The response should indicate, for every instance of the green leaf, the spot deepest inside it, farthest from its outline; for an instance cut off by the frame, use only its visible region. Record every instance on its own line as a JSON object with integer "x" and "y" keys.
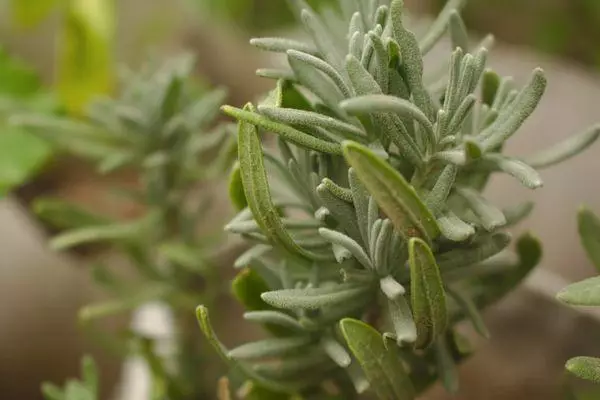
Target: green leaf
{"x": 458, "y": 32}
{"x": 454, "y": 228}
{"x": 282, "y": 45}
{"x": 436, "y": 198}
{"x": 236, "y": 188}
{"x": 412, "y": 60}
{"x": 85, "y": 60}
{"x": 274, "y": 318}
{"x": 339, "y": 239}
{"x": 315, "y": 298}
{"x": 64, "y": 215}
{"x": 470, "y": 310}
{"x": 587, "y": 368}
{"x": 479, "y": 250}
{"x": 439, "y": 26}
{"x": 427, "y": 294}
{"x": 391, "y": 191}
{"x": 258, "y": 194}
{"x": 564, "y": 150}
{"x": 495, "y": 286}
{"x": 276, "y": 347}
{"x": 387, "y": 104}
{"x": 512, "y": 117}
{"x": 490, "y": 217}
{"x": 489, "y": 86}
{"x": 184, "y": 255}
{"x": 589, "y": 231}
{"x": 402, "y": 320}
{"x": 584, "y": 293}
{"x": 247, "y": 287}
{"x": 22, "y": 155}
{"x": 17, "y": 79}
{"x": 286, "y": 132}
{"x": 382, "y": 365}
{"x": 446, "y": 366}
{"x": 516, "y": 168}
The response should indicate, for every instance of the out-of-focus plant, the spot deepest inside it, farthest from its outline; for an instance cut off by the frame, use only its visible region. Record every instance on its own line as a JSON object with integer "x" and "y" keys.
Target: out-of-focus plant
{"x": 587, "y": 292}
{"x": 163, "y": 130}
{"x": 85, "y": 65}
{"x": 22, "y": 154}
{"x": 371, "y": 236}
{"x": 85, "y": 389}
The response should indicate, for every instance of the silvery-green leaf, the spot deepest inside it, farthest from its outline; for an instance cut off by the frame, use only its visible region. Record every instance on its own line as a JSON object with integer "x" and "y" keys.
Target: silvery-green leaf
{"x": 454, "y": 228}
{"x": 314, "y": 80}
{"x": 436, "y": 198}
{"x": 288, "y": 133}
{"x": 584, "y": 293}
{"x": 427, "y": 294}
{"x": 587, "y": 368}
{"x": 360, "y": 199}
{"x": 391, "y": 288}
{"x": 295, "y": 365}
{"x": 281, "y": 45}
{"x": 456, "y": 157}
{"x": 391, "y": 191}
{"x": 324, "y": 67}
{"x": 382, "y": 60}
{"x": 303, "y": 118}
{"x": 338, "y": 191}
{"x": 349, "y": 244}
{"x": 564, "y": 150}
{"x": 374, "y": 233}
{"x": 437, "y": 29}
{"x": 412, "y": 60}
{"x": 381, "y": 15}
{"x": 355, "y": 46}
{"x": 118, "y": 232}
{"x": 516, "y": 168}
{"x": 362, "y": 81}
{"x": 470, "y": 310}
{"x": 276, "y": 74}
{"x": 382, "y": 242}
{"x": 511, "y": 118}
{"x": 275, "y": 347}
{"x": 256, "y": 187}
{"x": 481, "y": 249}
{"x": 382, "y": 366}
{"x": 402, "y": 320}
{"x": 458, "y": 32}
{"x": 489, "y": 216}
{"x": 322, "y": 38}
{"x": 516, "y": 214}
{"x": 387, "y": 104}
{"x": 336, "y": 351}
{"x": 589, "y": 231}
{"x": 251, "y": 254}
{"x": 251, "y": 226}
{"x": 461, "y": 113}
{"x": 206, "y": 327}
{"x": 274, "y": 318}
{"x": 341, "y": 210}
{"x": 314, "y": 298}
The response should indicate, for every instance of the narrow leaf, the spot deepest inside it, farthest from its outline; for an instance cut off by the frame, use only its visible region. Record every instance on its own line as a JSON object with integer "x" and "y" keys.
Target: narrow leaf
{"x": 490, "y": 217}
{"x": 382, "y": 366}
{"x": 391, "y": 191}
{"x": 286, "y": 132}
{"x": 516, "y": 168}
{"x": 587, "y": 368}
{"x": 274, "y": 318}
{"x": 427, "y": 294}
{"x": 314, "y": 298}
{"x": 589, "y": 231}
{"x": 481, "y": 249}
{"x": 454, "y": 228}
{"x": 564, "y": 150}
{"x": 402, "y": 320}
{"x": 584, "y": 293}
{"x": 276, "y": 347}
{"x": 347, "y": 243}
{"x": 236, "y": 188}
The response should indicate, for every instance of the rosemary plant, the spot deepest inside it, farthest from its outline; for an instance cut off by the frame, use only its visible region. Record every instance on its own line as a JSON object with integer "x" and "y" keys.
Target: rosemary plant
{"x": 371, "y": 238}
{"x": 587, "y": 292}
{"x": 161, "y": 128}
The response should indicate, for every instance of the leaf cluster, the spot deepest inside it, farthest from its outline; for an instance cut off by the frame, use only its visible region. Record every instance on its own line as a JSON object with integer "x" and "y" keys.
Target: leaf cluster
{"x": 371, "y": 236}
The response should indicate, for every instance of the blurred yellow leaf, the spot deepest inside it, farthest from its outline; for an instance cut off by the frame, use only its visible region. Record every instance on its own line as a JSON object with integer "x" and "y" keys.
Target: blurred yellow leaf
{"x": 85, "y": 54}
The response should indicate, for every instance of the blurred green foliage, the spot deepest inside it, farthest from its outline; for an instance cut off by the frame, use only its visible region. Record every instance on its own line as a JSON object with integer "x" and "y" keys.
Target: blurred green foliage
{"x": 565, "y": 28}
{"x": 22, "y": 155}
{"x": 255, "y": 15}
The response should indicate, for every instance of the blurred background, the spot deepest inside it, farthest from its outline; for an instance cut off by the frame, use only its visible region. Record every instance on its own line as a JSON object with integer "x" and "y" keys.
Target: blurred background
{"x": 57, "y": 55}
